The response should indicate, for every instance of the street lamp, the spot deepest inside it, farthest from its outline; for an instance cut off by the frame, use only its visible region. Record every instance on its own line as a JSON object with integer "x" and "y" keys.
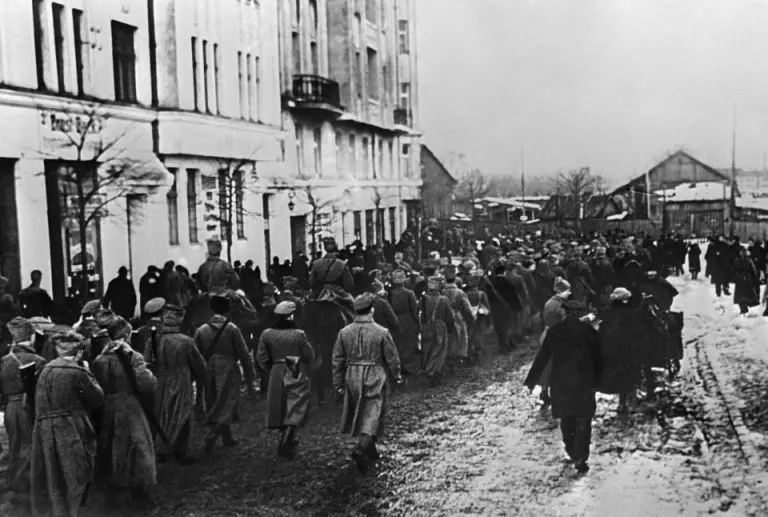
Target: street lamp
{"x": 291, "y": 196}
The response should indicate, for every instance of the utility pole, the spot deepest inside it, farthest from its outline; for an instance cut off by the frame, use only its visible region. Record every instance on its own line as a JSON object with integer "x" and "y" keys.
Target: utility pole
{"x": 522, "y": 176}
{"x": 732, "y": 204}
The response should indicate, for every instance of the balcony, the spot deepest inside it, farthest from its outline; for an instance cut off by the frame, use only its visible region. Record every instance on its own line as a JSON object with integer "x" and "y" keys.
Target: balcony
{"x": 315, "y": 93}
{"x": 402, "y": 117}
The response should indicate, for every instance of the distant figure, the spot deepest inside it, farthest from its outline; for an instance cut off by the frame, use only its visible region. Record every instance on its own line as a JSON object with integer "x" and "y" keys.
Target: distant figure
{"x": 121, "y": 295}
{"x": 34, "y": 300}
{"x": 216, "y": 275}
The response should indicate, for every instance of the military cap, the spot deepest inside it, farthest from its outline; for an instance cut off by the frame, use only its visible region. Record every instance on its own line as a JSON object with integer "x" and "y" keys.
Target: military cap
{"x": 398, "y": 277}
{"x": 561, "y": 285}
{"x": 104, "y": 317}
{"x": 68, "y": 343}
{"x": 90, "y": 307}
{"x": 285, "y": 308}
{"x": 374, "y": 273}
{"x": 290, "y": 283}
{"x": 20, "y": 329}
{"x": 377, "y": 286}
{"x": 621, "y": 294}
{"x": 433, "y": 282}
{"x": 468, "y": 265}
{"x": 154, "y": 305}
{"x": 363, "y": 302}
{"x": 41, "y": 324}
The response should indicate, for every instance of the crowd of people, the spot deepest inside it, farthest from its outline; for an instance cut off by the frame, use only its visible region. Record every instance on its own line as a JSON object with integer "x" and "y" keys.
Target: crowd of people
{"x": 100, "y": 403}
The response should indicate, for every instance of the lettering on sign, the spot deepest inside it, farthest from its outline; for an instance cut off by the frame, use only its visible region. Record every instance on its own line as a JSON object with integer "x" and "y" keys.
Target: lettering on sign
{"x": 66, "y": 123}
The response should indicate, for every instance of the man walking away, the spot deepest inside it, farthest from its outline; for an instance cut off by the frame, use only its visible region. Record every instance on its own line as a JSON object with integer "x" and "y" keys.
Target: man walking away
{"x": 286, "y": 354}
{"x": 121, "y": 295}
{"x": 34, "y": 300}
{"x": 364, "y": 356}
{"x": 573, "y": 346}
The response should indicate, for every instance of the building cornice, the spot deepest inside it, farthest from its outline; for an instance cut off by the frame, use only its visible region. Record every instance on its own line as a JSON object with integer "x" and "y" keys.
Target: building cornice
{"x": 176, "y": 115}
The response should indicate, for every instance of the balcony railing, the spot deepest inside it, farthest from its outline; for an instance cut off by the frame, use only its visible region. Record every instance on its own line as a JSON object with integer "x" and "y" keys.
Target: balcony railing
{"x": 402, "y": 117}
{"x": 316, "y": 89}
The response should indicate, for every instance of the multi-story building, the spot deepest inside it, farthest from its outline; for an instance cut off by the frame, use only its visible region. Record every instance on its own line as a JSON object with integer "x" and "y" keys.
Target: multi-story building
{"x": 154, "y": 109}
{"x": 348, "y": 76}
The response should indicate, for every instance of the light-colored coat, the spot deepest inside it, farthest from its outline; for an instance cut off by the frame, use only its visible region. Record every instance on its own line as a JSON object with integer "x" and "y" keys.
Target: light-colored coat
{"x": 364, "y": 356}
{"x": 63, "y": 439}
{"x": 458, "y": 342}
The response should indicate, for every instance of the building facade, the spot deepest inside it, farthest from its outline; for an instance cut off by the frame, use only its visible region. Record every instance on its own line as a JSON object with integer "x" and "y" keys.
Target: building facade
{"x": 438, "y": 186}
{"x": 350, "y": 106}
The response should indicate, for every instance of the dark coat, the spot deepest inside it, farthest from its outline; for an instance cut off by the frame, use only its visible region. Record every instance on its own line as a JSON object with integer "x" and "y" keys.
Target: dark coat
{"x": 121, "y": 297}
{"x": 619, "y": 331}
{"x": 574, "y": 349}
{"x": 747, "y": 282}
{"x": 694, "y": 258}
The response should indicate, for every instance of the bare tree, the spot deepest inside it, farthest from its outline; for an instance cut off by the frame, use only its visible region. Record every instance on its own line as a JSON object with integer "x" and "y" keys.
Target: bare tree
{"x": 93, "y": 172}
{"x": 580, "y": 185}
{"x": 472, "y": 187}
{"x": 232, "y": 184}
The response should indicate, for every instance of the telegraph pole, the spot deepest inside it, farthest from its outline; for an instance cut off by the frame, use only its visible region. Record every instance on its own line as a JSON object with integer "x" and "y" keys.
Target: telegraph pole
{"x": 732, "y": 204}
{"x": 522, "y": 176}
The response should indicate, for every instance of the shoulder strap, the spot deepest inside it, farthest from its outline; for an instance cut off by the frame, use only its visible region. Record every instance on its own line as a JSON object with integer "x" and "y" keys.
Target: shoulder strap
{"x": 218, "y": 334}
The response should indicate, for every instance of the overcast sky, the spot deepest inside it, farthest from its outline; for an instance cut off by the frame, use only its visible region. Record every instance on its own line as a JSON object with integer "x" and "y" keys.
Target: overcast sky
{"x": 613, "y": 84}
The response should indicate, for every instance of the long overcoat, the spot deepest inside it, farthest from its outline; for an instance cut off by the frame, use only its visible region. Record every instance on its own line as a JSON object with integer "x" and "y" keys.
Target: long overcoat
{"x": 747, "y": 282}
{"x": 364, "y": 358}
{"x": 223, "y": 347}
{"x": 18, "y": 424}
{"x": 458, "y": 342}
{"x": 574, "y": 349}
{"x": 126, "y": 443}
{"x": 406, "y": 308}
{"x": 438, "y": 323}
{"x": 284, "y": 351}
{"x": 621, "y": 340}
{"x": 177, "y": 364}
{"x": 63, "y": 439}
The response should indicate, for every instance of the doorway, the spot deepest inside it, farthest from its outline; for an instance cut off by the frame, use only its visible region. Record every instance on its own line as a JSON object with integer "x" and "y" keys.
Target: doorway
{"x": 10, "y": 260}
{"x": 298, "y": 235}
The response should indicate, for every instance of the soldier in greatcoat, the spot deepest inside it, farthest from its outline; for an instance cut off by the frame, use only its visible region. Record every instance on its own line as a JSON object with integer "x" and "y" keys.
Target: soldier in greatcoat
{"x": 142, "y": 338}
{"x": 178, "y": 364}
{"x": 437, "y": 325}
{"x": 126, "y": 460}
{"x": 364, "y": 360}
{"x": 481, "y": 309}
{"x": 290, "y": 294}
{"x": 216, "y": 275}
{"x": 224, "y": 349}
{"x": 458, "y": 343}
{"x": 406, "y": 308}
{"x": 383, "y": 314}
{"x": 18, "y": 419}
{"x": 285, "y": 352}
{"x": 66, "y": 393}
{"x": 330, "y": 279}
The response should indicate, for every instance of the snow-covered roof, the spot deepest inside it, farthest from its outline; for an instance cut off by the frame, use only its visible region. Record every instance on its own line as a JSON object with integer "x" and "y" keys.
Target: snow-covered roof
{"x": 704, "y": 191}
{"x": 754, "y": 203}
{"x": 510, "y": 201}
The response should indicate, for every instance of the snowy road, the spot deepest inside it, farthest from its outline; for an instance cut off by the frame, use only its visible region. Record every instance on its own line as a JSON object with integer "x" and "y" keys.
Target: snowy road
{"x": 479, "y": 445}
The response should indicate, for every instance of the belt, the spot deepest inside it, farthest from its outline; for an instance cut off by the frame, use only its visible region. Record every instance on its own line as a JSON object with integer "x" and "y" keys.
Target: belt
{"x": 56, "y": 413}
{"x": 14, "y": 396}
{"x": 362, "y": 363}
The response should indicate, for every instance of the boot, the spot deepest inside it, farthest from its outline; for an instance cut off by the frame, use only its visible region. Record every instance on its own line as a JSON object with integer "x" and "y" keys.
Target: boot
{"x": 373, "y": 452}
{"x": 358, "y": 457}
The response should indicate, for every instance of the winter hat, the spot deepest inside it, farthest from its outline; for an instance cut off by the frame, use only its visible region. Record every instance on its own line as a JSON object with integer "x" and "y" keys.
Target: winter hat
{"x": 20, "y": 329}
{"x": 68, "y": 343}
{"x": 561, "y": 285}
{"x": 621, "y": 294}
{"x": 398, "y": 277}
{"x": 377, "y": 287}
{"x": 290, "y": 283}
{"x": 155, "y": 305}
{"x": 433, "y": 283}
{"x": 119, "y": 328}
{"x": 363, "y": 302}
{"x": 285, "y": 308}
{"x": 90, "y": 307}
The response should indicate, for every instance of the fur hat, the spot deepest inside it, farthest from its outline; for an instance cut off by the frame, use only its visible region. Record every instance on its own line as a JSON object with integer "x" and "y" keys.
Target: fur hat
{"x": 377, "y": 287}
{"x": 363, "y": 302}
{"x": 20, "y": 329}
{"x": 214, "y": 247}
{"x": 561, "y": 285}
{"x": 398, "y": 277}
{"x": 68, "y": 343}
{"x": 290, "y": 283}
{"x": 285, "y": 308}
{"x": 119, "y": 328}
{"x": 433, "y": 283}
{"x": 621, "y": 294}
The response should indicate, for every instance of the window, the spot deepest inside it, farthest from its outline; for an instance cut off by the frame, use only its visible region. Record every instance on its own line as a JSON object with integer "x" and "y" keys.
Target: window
{"x": 392, "y": 224}
{"x": 265, "y": 216}
{"x": 257, "y": 80}
{"x": 172, "y": 199}
{"x": 58, "y": 44}
{"x": 358, "y": 75}
{"x": 216, "y": 82}
{"x": 380, "y": 214}
{"x": 317, "y": 141}
{"x": 373, "y": 74}
{"x": 224, "y": 205}
{"x": 195, "y": 92}
{"x": 371, "y": 10}
{"x": 352, "y": 155}
{"x": 296, "y": 46}
{"x": 370, "y": 228}
{"x": 239, "y": 208}
{"x": 313, "y": 15}
{"x": 240, "y": 82}
{"x": 339, "y": 154}
{"x": 297, "y": 12}
{"x": 249, "y": 83}
{"x": 124, "y": 61}
{"x": 37, "y": 13}
{"x": 405, "y": 95}
{"x": 406, "y": 160}
{"x": 358, "y": 224}
{"x": 205, "y": 77}
{"x": 192, "y": 205}
{"x": 357, "y": 30}
{"x": 391, "y": 160}
{"x": 404, "y": 37}
{"x": 77, "y": 29}
{"x": 381, "y": 159}
{"x": 366, "y": 158}
{"x": 313, "y": 55}
{"x": 300, "y": 148}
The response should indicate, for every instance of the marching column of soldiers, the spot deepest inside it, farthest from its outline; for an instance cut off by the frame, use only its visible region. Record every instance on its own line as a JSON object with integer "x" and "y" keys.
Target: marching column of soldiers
{"x": 100, "y": 404}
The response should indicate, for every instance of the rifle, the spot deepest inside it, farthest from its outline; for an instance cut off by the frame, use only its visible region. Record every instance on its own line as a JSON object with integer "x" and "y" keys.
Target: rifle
{"x": 153, "y": 364}
{"x": 125, "y": 361}
{"x": 29, "y": 380}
